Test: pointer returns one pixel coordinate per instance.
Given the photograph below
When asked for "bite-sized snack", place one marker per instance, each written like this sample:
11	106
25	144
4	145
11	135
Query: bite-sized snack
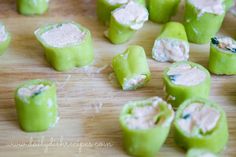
203	19
184	80
162	10
105	7
67	45
36	105
5	39
131	68
172	45
202	124
222	58
32	7
200	153
125	21
145	125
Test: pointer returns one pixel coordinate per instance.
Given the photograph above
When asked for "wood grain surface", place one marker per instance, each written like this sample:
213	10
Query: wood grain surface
89	98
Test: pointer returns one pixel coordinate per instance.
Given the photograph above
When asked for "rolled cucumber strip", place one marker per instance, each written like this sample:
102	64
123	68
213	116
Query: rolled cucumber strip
36	105
203	19
172	44
222	58
5	39
202	124
161	11
184	80
145	125
131	68
200	153
67	45
32	7
125	21
105	7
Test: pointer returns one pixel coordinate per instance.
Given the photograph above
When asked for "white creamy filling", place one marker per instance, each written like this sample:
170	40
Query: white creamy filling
63	35
198	118
32	90
226	43
186	75
132	14
134	82
145	117
209	6
3	33
207	155
115	2
170	50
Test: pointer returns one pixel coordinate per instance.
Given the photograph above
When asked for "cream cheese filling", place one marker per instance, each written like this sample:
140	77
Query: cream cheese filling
134	82
186	75
209	6
63	35
146	116
132	14
170	50
225	43
207	155
32	90
198	118
3	33
115	2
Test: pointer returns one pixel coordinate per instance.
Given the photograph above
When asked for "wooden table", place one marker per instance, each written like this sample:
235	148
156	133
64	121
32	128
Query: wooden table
89	98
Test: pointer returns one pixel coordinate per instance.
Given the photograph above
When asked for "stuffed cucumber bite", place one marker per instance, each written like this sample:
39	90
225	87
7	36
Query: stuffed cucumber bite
5	38
184	80
200	123
36	105
222	58
67	45
125	21
145	125
200	153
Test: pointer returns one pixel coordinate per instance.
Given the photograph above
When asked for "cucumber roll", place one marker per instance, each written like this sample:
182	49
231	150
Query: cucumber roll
184	80
202	124
161	11
125	21
32	7
36	105
222	58
67	45
145	125
203	19
200	153
105	7
131	68
5	39
172	44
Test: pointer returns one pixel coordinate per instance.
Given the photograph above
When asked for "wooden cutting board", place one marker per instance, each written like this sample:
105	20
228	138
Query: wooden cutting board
89	98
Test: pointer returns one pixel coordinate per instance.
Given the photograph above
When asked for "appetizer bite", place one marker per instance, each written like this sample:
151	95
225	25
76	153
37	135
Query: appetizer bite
105	7
222	58
36	105
161	11
172	44
200	123
200	153
184	80
131	68
5	39
32	7
145	125
125	21
203	19
67	45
